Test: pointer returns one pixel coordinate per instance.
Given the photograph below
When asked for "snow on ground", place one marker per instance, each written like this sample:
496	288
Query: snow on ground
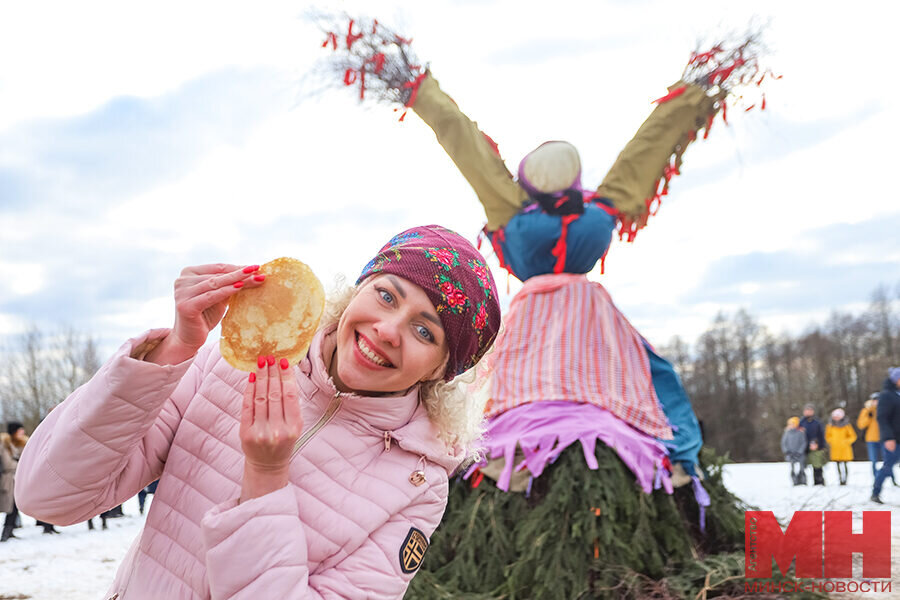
80	564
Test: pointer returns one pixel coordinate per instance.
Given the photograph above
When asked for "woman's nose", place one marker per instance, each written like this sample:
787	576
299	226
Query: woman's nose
388	331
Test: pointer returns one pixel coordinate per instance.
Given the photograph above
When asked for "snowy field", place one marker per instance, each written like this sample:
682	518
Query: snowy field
80	564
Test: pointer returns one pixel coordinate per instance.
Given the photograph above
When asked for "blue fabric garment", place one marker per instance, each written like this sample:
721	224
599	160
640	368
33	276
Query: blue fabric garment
889	411
528	239
677	406
890	459
814	431
874	450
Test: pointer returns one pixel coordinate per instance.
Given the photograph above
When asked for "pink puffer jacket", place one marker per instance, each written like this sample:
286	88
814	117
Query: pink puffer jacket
351	524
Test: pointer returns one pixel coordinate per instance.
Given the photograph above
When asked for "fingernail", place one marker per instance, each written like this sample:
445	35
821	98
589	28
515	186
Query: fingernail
259	278
252	377
284	363
270	359
251	268
261	362
239	284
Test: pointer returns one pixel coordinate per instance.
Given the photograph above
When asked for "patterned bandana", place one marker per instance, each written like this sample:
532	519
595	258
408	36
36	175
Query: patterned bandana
457	281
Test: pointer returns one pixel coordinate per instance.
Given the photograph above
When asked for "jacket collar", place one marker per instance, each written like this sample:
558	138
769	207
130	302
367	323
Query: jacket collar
402	415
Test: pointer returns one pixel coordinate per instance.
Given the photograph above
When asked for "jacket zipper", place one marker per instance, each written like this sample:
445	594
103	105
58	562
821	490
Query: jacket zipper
323	420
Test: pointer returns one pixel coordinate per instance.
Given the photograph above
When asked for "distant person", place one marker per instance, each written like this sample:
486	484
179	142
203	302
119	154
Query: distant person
142	495
839	435
11	444
889	427
793	445
867	421
815	435
817	458
104	516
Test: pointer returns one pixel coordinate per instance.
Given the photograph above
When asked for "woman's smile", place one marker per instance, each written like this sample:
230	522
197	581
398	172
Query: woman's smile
371	353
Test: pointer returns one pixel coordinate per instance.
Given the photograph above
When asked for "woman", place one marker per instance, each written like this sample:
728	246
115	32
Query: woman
238	513
11	444
839	435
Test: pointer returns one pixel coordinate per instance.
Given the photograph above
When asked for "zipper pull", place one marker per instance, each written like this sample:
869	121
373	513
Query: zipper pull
387	441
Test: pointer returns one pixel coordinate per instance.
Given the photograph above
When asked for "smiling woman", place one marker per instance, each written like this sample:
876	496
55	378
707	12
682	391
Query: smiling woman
324	478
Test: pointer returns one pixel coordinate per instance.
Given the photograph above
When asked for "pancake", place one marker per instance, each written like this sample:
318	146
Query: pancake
279	317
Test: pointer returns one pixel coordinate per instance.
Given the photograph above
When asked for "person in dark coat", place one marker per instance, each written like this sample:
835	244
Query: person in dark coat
889	426
815	441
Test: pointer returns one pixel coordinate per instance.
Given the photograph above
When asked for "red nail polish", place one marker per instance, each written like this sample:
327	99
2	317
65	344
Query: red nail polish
270	359
239	284
251	268
259	278
252	377
284	363
261	362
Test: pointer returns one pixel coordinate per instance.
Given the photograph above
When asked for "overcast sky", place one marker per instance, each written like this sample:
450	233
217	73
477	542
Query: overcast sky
136	141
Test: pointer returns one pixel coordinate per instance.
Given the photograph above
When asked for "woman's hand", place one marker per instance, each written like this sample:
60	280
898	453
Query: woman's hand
270	425
201	298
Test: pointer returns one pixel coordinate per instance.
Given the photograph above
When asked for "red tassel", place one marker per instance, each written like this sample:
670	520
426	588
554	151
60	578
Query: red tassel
477	477
724	112
763	106
560	202
352	37
374	26
362	84
490	141
378	59
749	108
709	121
414	84
349	77
673	94
603	263
403	116
559	250
331	39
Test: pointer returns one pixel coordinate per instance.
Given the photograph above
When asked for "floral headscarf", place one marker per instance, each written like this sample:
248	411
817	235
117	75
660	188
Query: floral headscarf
457	281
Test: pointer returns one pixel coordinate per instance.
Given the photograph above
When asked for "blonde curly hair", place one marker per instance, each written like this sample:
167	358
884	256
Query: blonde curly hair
455	408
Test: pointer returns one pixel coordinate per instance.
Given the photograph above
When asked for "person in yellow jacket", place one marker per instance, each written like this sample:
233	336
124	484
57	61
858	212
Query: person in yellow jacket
840	435
868	422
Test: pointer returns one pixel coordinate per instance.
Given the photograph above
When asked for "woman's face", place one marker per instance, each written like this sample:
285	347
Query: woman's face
19	434
388	339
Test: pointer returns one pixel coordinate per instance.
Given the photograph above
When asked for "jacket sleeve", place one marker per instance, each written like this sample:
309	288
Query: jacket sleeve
108	439
865	417
784	444
258	549
885	415
473	155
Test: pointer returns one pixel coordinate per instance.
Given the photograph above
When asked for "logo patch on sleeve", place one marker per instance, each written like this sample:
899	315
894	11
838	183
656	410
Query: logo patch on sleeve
413	550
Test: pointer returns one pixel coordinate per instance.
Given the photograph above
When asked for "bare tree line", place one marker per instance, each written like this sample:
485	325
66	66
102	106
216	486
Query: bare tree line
41	369
744	382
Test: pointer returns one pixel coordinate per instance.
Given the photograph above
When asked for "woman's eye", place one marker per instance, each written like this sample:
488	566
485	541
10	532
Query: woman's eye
386	296
424	333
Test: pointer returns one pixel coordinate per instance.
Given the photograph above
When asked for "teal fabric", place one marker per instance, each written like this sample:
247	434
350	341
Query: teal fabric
675	403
